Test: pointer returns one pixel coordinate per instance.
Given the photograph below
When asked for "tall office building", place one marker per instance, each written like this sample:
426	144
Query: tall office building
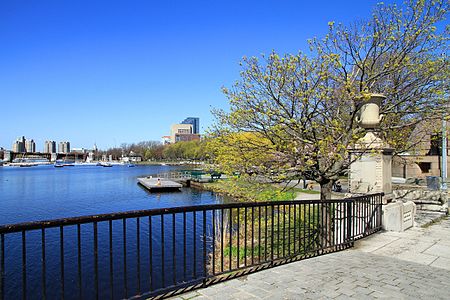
50	147
30	146
19	145
64	147
195	122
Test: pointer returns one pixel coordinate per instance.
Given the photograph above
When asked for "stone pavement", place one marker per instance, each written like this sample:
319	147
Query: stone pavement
411	265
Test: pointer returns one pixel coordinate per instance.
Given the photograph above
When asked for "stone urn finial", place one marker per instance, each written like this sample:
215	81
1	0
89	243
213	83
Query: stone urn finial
369	110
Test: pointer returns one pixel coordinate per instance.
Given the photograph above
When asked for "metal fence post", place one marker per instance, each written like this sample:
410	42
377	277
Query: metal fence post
349	222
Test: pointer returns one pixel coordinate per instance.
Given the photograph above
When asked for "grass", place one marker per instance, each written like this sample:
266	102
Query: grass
248	190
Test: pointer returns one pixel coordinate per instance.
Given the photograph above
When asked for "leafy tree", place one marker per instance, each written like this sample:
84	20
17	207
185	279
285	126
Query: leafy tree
306	106
191	150
246	152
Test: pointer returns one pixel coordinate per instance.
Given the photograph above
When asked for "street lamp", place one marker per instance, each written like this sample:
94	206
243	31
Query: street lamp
444	144
444	154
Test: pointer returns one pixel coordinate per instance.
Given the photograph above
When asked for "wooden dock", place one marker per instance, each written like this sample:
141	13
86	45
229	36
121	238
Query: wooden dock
165	185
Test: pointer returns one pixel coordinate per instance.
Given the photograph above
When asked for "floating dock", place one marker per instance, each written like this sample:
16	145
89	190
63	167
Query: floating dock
164	185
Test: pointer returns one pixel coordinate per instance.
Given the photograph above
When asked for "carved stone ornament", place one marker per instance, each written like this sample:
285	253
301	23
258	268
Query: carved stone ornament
369	113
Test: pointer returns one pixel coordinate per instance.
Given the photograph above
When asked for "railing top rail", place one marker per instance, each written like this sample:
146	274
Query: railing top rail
33	225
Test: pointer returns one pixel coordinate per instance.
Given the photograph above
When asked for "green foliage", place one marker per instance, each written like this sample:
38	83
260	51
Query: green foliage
278	232
296	116
248	190
151	150
192	150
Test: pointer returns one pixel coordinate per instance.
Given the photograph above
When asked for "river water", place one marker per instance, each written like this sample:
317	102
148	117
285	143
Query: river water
46	192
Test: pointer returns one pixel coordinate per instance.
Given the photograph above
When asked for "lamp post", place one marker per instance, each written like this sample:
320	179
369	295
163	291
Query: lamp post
444	154
444	146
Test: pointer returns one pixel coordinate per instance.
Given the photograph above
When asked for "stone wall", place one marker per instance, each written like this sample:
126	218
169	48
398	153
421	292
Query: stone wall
422	197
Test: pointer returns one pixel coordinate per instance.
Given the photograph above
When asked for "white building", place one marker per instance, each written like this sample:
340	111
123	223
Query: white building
30	146
19	145
50	147
64	147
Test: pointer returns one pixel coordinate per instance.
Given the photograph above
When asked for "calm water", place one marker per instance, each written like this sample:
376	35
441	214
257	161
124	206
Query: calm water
46	192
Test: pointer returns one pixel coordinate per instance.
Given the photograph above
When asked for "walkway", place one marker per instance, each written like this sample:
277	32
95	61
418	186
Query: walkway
411	265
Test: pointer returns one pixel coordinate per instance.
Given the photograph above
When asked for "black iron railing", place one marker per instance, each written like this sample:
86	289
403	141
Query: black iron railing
157	252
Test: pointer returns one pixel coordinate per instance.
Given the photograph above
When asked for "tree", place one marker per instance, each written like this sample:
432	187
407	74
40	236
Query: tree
192	150
246	152
307	106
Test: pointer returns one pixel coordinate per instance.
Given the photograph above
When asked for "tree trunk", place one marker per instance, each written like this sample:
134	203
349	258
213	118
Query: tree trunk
325	189
326	231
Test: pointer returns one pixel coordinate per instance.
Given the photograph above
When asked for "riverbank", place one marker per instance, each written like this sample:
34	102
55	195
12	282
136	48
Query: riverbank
248	190
171	163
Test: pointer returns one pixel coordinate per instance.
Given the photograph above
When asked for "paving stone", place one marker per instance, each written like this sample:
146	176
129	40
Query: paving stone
439	250
441	262
408	265
190	295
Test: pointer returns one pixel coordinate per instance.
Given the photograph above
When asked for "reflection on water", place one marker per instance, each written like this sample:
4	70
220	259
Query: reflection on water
46	192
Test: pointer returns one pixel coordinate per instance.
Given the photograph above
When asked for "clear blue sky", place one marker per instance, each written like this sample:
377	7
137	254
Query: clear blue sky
124	71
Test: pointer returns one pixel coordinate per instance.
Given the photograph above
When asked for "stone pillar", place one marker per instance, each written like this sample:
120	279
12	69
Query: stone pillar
371	171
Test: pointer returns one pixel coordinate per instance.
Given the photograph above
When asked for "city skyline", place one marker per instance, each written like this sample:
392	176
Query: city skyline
28	145
126	73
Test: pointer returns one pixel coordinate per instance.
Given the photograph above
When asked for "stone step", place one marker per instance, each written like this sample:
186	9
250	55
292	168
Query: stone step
432	207
427	201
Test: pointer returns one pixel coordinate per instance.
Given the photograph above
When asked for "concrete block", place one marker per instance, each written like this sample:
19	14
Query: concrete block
398	216
392	216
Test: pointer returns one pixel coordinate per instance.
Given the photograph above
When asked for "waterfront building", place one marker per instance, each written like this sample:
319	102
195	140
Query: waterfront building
64	147
165	139
19	145
179	129
195	122
50	147
7	156
80	150
30	146
186	137
132	157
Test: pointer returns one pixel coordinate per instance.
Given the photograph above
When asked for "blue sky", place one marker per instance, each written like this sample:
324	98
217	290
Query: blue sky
123	71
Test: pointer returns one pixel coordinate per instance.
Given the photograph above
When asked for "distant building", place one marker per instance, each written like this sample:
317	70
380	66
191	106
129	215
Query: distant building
64	147
165	139
132	157
179	129
30	146
7	156
195	122
80	150
425	159
188	130
50	147
186	137
19	145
